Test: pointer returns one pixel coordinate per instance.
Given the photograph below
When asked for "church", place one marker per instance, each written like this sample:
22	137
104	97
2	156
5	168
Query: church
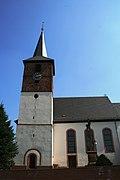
67	132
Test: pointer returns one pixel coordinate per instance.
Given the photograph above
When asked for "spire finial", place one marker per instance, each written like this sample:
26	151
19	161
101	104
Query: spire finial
42	26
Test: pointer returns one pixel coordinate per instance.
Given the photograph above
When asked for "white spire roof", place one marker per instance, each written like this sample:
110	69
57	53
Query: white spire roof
41	48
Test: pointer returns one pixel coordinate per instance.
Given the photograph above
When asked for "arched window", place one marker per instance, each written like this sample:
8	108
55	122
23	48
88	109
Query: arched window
108	140
71	141
71	148
90	140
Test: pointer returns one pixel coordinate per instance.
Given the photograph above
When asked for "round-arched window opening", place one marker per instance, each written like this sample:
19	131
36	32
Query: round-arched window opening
36	96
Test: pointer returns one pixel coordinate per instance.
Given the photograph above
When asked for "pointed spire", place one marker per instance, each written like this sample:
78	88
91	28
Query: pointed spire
41	48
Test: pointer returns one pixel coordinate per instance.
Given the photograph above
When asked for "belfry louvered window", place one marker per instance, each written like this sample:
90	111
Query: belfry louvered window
38	68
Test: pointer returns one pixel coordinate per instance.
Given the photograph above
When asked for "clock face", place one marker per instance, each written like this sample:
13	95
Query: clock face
37	76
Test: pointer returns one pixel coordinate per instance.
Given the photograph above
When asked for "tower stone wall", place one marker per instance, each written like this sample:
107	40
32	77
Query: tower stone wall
35	121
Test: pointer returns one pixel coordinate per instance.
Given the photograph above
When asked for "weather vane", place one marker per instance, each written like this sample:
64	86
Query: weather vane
43	26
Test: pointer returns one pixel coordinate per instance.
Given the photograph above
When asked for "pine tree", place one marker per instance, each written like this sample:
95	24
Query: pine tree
8	147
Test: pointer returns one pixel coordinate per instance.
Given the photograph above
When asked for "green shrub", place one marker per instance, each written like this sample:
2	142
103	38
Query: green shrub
102	160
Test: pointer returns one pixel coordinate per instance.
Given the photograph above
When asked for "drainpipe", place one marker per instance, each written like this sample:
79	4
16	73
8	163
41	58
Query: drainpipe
117	133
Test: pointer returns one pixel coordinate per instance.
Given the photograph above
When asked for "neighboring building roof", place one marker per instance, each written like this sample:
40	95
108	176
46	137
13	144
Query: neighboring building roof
80	109
117	107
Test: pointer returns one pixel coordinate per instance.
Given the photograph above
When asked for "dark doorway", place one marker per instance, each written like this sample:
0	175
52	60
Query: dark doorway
32	161
72	161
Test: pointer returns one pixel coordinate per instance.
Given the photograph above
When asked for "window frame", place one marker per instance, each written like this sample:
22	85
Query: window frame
106	146
75	146
71	153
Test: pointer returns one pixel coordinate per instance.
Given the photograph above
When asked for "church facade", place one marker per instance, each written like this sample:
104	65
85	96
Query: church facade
62	132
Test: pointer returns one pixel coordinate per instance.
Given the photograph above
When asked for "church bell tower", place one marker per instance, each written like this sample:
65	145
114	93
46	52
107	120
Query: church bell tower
35	121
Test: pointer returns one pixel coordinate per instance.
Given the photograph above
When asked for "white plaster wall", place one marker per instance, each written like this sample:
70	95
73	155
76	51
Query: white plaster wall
60	146
34	137
98	127
36	111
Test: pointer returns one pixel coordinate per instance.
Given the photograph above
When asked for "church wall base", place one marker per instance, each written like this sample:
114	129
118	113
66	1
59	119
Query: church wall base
27	168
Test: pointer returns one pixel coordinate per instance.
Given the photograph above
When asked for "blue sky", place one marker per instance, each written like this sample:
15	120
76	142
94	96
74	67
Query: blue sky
83	36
